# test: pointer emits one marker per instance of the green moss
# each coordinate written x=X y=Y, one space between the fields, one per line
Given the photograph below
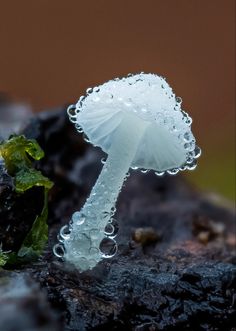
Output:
x=3 y=258
x=35 y=240
x=18 y=154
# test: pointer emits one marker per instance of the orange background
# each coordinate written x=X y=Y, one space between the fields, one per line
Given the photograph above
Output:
x=51 y=51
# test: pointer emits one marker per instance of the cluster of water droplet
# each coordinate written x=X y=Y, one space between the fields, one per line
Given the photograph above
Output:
x=84 y=243
x=148 y=96
x=185 y=138
x=90 y=235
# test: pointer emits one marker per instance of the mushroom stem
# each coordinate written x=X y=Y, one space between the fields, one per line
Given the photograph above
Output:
x=109 y=183
x=83 y=245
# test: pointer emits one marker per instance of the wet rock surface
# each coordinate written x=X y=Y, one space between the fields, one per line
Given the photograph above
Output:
x=23 y=306
x=17 y=213
x=175 y=267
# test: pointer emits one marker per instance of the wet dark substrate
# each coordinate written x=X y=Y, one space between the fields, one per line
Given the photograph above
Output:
x=175 y=267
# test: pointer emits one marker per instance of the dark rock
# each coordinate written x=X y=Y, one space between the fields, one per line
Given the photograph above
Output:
x=17 y=212
x=23 y=306
x=206 y=229
x=146 y=236
x=175 y=283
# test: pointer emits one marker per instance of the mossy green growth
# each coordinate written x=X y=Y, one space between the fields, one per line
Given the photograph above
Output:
x=3 y=257
x=18 y=154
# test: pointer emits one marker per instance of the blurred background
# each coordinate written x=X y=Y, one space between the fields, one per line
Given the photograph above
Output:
x=51 y=51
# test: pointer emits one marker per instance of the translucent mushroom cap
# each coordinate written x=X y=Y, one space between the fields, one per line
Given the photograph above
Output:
x=167 y=143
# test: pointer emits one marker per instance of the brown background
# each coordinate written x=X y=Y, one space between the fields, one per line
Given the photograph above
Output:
x=51 y=50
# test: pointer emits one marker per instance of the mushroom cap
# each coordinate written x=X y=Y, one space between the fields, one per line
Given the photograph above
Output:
x=167 y=143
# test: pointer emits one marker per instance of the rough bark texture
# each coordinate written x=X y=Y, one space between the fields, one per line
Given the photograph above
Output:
x=175 y=268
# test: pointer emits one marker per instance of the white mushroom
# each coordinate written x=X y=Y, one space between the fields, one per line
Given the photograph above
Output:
x=139 y=123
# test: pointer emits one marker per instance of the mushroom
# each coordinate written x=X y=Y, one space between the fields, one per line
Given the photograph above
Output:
x=138 y=122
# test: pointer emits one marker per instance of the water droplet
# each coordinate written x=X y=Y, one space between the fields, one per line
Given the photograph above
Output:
x=173 y=171
x=144 y=171
x=106 y=216
x=115 y=225
x=96 y=89
x=183 y=167
x=59 y=250
x=109 y=229
x=187 y=136
x=197 y=152
x=134 y=168
x=71 y=111
x=159 y=173
x=65 y=232
x=173 y=128
x=180 y=136
x=103 y=160
x=89 y=90
x=192 y=166
x=113 y=210
x=186 y=146
x=189 y=120
x=189 y=158
x=108 y=247
x=81 y=100
x=78 y=218
x=59 y=238
x=86 y=139
x=178 y=100
x=79 y=128
x=127 y=176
